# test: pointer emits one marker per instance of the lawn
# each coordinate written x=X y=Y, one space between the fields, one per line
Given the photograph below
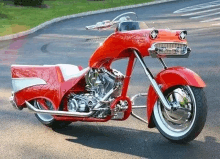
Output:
x=14 y=19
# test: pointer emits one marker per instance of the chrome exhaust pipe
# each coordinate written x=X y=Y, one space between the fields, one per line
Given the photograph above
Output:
x=55 y=112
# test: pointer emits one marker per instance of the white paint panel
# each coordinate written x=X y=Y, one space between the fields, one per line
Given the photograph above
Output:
x=71 y=71
x=21 y=83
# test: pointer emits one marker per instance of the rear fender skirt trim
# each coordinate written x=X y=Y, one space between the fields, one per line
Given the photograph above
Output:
x=22 y=83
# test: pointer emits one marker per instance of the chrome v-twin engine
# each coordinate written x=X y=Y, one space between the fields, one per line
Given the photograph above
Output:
x=102 y=86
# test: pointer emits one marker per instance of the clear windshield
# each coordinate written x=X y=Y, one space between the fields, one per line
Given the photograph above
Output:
x=131 y=25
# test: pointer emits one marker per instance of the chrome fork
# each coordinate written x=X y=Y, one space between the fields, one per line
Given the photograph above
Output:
x=153 y=82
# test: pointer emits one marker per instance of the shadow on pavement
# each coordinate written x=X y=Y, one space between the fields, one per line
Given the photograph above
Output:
x=138 y=143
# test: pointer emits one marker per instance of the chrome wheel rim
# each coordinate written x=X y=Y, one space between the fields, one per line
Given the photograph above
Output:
x=44 y=117
x=180 y=119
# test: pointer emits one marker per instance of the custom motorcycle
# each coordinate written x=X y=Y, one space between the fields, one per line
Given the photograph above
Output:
x=63 y=93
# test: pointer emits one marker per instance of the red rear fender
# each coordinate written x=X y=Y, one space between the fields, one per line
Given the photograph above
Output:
x=169 y=78
x=47 y=82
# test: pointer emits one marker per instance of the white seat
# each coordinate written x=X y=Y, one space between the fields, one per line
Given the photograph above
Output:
x=68 y=71
x=71 y=71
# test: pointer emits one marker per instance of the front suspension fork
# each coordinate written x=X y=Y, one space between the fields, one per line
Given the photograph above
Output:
x=153 y=82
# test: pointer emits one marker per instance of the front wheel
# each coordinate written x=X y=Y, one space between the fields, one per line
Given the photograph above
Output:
x=186 y=119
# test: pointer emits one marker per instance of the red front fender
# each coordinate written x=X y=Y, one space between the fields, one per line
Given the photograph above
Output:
x=169 y=78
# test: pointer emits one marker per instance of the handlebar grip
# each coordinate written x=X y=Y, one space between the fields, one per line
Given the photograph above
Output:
x=100 y=25
x=90 y=27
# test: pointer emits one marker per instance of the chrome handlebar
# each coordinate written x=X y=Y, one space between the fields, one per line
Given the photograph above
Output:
x=108 y=24
x=100 y=25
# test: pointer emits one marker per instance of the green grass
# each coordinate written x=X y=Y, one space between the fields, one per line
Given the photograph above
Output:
x=14 y=19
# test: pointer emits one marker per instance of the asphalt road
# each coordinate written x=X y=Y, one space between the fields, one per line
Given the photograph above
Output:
x=22 y=136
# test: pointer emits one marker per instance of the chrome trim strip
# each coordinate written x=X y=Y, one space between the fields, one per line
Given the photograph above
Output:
x=185 y=43
x=153 y=82
x=22 y=83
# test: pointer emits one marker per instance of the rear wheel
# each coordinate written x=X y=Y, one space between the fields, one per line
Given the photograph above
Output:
x=187 y=118
x=47 y=119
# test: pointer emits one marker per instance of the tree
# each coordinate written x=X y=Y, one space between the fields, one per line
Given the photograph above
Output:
x=28 y=2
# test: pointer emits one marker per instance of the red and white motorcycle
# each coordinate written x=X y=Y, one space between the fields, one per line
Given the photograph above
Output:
x=63 y=93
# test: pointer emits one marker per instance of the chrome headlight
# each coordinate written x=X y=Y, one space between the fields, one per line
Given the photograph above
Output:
x=182 y=35
x=153 y=34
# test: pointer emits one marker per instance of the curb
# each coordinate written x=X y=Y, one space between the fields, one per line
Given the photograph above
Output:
x=24 y=33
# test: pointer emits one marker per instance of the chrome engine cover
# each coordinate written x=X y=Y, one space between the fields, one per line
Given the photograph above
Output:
x=102 y=81
x=81 y=102
x=99 y=83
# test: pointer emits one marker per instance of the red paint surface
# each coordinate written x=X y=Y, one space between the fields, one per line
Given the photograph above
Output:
x=119 y=44
x=53 y=91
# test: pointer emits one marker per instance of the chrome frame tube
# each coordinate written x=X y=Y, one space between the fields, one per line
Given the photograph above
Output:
x=139 y=118
x=139 y=106
x=137 y=95
x=54 y=112
x=133 y=99
x=153 y=82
